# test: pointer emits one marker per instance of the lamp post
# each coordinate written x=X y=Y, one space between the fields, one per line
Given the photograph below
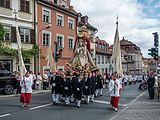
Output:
x=39 y=32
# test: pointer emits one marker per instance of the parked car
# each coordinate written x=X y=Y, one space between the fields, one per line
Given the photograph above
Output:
x=7 y=82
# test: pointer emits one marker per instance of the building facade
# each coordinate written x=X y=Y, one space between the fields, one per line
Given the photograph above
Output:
x=151 y=64
x=62 y=21
x=132 y=61
x=103 y=56
x=21 y=13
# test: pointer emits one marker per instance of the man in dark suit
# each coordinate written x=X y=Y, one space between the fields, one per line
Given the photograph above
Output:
x=56 y=82
x=151 y=82
x=67 y=91
x=79 y=85
x=87 y=88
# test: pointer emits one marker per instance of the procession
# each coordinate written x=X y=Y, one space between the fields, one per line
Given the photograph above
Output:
x=79 y=60
x=80 y=83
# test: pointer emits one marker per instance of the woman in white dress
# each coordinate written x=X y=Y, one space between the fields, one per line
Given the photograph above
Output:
x=26 y=90
x=114 y=89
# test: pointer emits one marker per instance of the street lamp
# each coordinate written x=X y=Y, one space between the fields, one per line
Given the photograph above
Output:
x=39 y=32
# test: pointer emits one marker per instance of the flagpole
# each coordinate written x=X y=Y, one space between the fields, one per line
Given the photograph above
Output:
x=20 y=57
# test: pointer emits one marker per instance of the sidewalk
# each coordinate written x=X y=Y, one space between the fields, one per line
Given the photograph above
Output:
x=141 y=109
x=34 y=92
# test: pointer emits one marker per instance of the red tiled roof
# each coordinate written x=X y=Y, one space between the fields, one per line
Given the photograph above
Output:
x=99 y=41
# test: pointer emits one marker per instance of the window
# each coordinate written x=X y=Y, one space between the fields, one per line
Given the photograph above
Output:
x=7 y=35
x=59 y=20
x=64 y=2
x=55 y=1
x=70 y=24
x=102 y=59
x=60 y=41
x=61 y=68
x=46 y=16
x=46 y=39
x=25 y=35
x=70 y=43
x=24 y=6
x=107 y=59
x=98 y=59
x=5 y=3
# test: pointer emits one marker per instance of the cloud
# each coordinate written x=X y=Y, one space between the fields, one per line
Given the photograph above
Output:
x=134 y=23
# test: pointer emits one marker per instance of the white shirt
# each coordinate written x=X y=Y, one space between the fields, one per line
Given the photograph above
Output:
x=26 y=85
x=129 y=78
x=125 y=78
x=114 y=87
x=156 y=82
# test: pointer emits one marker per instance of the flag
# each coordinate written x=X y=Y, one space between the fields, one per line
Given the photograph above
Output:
x=50 y=60
x=20 y=58
x=116 y=54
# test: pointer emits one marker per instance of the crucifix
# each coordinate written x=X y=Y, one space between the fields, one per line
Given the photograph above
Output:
x=117 y=20
x=15 y=12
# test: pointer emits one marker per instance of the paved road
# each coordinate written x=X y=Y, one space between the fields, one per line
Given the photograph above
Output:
x=42 y=108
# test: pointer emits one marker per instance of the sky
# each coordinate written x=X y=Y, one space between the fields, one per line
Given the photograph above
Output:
x=138 y=19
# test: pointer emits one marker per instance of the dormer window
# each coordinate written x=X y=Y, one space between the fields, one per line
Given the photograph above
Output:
x=55 y=1
x=64 y=3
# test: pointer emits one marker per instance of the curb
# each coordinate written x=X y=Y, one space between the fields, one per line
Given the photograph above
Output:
x=17 y=95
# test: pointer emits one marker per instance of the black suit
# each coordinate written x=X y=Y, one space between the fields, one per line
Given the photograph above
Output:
x=66 y=85
x=56 y=83
x=151 y=82
x=87 y=87
x=79 y=85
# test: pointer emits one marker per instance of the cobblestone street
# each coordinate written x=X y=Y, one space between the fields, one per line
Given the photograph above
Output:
x=141 y=109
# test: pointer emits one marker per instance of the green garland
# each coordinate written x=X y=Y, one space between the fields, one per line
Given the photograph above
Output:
x=30 y=52
x=5 y=50
x=2 y=32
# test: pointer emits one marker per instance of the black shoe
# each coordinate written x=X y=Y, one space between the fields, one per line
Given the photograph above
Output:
x=78 y=106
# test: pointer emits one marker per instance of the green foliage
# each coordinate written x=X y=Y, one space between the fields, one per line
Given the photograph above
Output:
x=5 y=50
x=30 y=52
x=2 y=32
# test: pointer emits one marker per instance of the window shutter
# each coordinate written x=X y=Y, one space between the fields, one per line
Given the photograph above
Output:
x=32 y=36
x=13 y=34
x=7 y=3
x=2 y=3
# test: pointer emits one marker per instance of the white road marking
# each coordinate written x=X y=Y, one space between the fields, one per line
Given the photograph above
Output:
x=104 y=102
x=41 y=106
x=127 y=106
x=4 y=115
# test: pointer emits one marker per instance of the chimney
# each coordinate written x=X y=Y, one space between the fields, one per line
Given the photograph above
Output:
x=71 y=7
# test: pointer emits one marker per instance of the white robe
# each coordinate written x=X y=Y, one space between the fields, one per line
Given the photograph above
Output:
x=113 y=88
x=26 y=85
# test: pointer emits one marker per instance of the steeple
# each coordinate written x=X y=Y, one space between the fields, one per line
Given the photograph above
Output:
x=117 y=21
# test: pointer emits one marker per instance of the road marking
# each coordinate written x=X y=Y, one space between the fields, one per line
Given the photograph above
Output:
x=4 y=115
x=128 y=105
x=41 y=106
x=104 y=102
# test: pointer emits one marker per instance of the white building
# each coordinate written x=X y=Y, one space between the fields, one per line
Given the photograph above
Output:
x=103 y=56
x=19 y=12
